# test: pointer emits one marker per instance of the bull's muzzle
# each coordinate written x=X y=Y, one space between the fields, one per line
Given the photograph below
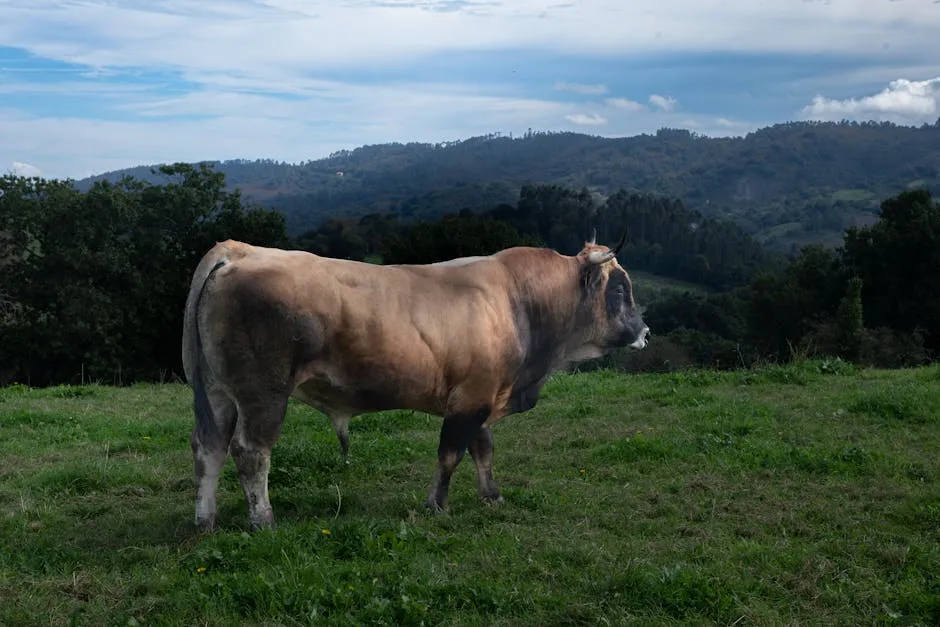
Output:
x=641 y=339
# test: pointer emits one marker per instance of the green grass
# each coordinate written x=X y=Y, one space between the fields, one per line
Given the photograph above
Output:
x=805 y=494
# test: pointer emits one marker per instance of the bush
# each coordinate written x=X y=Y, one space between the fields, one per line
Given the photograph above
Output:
x=880 y=347
x=706 y=348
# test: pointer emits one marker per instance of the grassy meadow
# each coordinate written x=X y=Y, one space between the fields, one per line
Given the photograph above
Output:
x=804 y=494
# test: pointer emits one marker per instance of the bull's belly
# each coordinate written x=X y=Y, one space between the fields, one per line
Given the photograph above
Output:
x=341 y=393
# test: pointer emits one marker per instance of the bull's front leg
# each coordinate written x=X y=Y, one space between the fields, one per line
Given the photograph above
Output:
x=458 y=432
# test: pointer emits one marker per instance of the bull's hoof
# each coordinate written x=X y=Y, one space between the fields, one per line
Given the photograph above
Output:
x=263 y=520
x=434 y=507
x=205 y=525
x=489 y=499
x=490 y=494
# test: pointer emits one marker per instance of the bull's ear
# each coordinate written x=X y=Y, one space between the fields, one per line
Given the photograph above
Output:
x=591 y=276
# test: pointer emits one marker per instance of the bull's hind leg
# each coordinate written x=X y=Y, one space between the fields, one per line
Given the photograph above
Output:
x=481 y=450
x=209 y=442
x=457 y=433
x=258 y=427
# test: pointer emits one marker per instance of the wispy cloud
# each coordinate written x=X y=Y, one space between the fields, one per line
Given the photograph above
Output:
x=98 y=84
x=666 y=103
x=626 y=104
x=325 y=33
x=586 y=119
x=913 y=101
x=581 y=88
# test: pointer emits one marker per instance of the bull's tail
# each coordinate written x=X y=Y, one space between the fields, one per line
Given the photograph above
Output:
x=195 y=365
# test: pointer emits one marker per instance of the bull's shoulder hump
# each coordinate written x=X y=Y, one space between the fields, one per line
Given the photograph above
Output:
x=460 y=261
x=480 y=272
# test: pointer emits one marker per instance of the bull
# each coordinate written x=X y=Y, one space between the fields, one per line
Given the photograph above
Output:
x=471 y=340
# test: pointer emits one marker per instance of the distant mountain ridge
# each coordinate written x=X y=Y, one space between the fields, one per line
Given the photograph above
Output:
x=787 y=184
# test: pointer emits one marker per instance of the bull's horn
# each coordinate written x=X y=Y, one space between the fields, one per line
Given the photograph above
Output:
x=593 y=237
x=597 y=256
x=623 y=239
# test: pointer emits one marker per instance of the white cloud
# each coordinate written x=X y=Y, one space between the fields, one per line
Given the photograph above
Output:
x=586 y=119
x=311 y=34
x=581 y=88
x=666 y=103
x=912 y=101
x=20 y=168
x=626 y=104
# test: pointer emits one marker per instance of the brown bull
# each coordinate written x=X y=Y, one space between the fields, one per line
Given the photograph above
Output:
x=472 y=340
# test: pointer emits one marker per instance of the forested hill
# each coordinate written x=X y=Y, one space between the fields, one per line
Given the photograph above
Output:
x=788 y=184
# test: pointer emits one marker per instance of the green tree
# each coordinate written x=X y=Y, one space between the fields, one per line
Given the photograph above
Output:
x=95 y=281
x=783 y=307
x=898 y=260
x=850 y=321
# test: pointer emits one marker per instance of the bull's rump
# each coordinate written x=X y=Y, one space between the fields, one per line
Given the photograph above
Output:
x=352 y=337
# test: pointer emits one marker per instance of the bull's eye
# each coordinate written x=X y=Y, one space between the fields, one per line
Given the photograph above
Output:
x=621 y=290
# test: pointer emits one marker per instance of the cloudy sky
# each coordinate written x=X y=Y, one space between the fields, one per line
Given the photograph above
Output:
x=88 y=86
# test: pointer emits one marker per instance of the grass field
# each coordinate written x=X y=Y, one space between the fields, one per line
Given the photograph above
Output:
x=805 y=494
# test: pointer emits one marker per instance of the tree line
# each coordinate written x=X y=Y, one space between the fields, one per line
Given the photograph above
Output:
x=93 y=282
x=873 y=300
x=662 y=236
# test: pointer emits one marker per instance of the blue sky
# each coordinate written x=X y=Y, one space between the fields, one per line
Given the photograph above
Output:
x=88 y=86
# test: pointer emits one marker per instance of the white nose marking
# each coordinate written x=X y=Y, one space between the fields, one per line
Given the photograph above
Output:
x=641 y=341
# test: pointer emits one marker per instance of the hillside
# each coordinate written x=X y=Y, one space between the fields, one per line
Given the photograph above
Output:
x=787 y=184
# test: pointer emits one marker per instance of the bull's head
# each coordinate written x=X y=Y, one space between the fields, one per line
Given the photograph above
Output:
x=617 y=319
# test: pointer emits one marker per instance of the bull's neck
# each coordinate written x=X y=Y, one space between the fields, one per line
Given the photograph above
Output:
x=551 y=281
x=550 y=293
